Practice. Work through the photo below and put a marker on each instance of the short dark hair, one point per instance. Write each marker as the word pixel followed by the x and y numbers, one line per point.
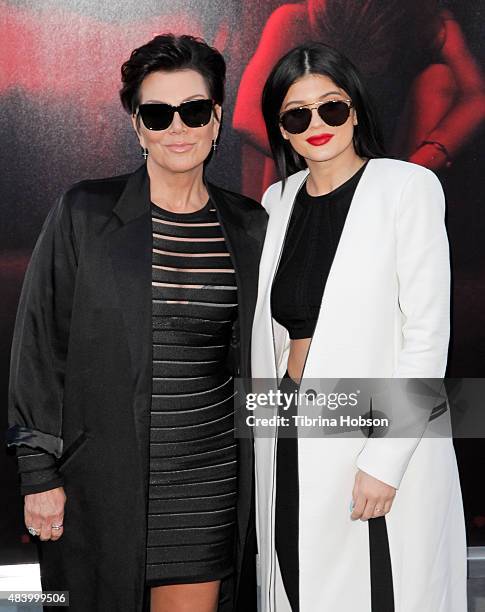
pixel 317 58
pixel 168 52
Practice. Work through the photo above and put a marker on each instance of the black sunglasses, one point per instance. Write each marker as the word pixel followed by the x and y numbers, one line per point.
pixel 334 113
pixel 195 113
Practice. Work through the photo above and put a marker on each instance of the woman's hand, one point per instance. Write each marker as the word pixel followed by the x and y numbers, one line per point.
pixel 42 510
pixel 371 497
pixel 429 156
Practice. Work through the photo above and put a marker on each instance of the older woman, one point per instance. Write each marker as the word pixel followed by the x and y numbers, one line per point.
pixel 354 283
pixel 135 313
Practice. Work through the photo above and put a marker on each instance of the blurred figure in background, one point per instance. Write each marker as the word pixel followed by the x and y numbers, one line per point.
pixel 428 88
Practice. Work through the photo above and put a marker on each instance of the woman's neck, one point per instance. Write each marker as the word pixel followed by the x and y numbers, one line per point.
pixel 181 192
pixel 327 175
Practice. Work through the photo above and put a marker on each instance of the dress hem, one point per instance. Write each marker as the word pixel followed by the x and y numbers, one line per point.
pixel 188 579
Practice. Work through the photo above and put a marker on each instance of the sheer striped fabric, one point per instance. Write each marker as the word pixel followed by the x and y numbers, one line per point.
pixel 193 465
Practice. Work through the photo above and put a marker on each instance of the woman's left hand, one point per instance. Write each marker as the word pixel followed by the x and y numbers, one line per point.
pixel 371 497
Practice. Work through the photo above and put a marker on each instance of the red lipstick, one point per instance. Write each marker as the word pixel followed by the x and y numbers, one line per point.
pixel 319 139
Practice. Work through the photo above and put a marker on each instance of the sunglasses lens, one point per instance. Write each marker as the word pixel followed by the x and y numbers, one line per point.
pixel 156 116
pixel 296 120
pixel 196 113
pixel 334 113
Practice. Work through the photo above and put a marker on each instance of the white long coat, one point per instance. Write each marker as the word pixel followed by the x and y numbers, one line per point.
pixel 384 313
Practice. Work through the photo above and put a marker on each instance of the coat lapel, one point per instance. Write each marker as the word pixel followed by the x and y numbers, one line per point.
pixel 283 216
pixel 130 249
pixel 279 220
pixel 244 238
pixel 245 254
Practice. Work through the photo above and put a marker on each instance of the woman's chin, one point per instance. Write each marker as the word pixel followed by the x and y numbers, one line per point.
pixel 179 163
pixel 322 154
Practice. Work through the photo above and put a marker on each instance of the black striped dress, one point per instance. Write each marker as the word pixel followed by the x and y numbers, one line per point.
pixel 193 468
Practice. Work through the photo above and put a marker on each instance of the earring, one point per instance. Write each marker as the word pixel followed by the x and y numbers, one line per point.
pixel 214 145
pixel 145 153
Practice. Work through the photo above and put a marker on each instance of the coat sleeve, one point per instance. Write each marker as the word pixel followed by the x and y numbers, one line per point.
pixel 423 274
pixel 39 351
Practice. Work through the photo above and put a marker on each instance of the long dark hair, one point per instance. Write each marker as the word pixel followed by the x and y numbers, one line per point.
pixel 378 33
pixel 317 58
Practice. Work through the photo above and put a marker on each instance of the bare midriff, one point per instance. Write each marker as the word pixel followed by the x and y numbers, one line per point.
pixel 298 354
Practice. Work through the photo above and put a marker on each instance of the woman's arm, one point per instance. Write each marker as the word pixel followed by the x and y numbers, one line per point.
pixel 467 110
pixel 423 274
pixel 39 350
pixel 286 27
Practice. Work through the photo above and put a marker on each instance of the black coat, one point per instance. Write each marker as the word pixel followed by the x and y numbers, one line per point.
pixel 80 384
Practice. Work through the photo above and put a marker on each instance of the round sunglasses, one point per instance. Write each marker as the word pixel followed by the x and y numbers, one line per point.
pixel 158 116
pixel 333 113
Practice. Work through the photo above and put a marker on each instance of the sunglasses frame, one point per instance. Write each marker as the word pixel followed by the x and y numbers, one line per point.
pixel 175 109
pixel 315 106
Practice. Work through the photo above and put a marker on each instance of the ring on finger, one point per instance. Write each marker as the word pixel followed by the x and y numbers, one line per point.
pixel 33 531
pixel 57 526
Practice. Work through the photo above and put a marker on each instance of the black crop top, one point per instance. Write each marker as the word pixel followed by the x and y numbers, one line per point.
pixel 311 242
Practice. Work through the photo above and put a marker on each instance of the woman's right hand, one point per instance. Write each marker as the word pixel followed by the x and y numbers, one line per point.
pixel 42 510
